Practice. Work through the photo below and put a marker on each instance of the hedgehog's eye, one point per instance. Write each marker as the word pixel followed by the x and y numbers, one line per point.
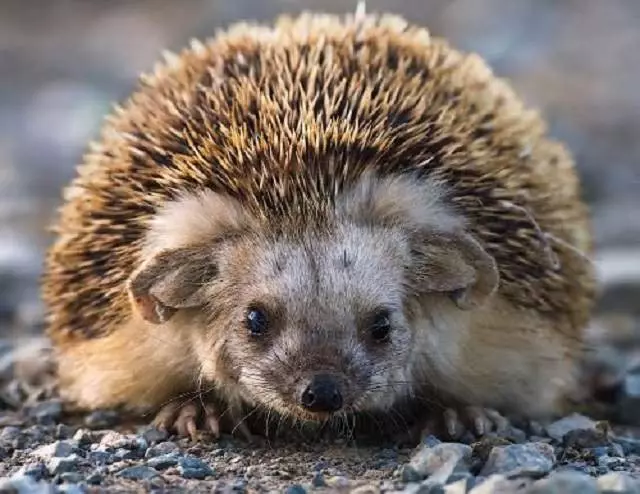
pixel 380 325
pixel 256 321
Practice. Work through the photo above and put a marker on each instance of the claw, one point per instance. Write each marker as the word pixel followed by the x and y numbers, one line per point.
pixel 184 420
pixel 212 420
pixel 451 422
pixel 477 420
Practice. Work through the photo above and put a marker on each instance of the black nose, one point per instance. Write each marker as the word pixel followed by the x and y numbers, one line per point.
pixel 322 395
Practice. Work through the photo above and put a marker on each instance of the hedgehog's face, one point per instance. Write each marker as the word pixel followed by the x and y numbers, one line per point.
pixel 315 321
pixel 316 325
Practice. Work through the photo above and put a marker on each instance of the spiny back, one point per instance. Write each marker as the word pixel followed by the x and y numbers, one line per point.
pixel 284 117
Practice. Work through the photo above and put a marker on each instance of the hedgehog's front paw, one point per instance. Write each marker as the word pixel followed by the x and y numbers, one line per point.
pixel 455 422
pixel 188 419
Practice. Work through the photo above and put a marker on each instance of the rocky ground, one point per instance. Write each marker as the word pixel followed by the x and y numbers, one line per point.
pixel 63 63
pixel 45 448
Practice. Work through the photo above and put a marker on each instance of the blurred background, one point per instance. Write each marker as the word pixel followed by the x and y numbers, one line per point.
pixel 63 63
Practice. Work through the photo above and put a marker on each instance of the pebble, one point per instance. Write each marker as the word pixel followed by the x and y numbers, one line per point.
pixel 71 477
pixel 437 462
pixel 497 483
pixel 71 489
pixel 163 462
pixel 517 459
pixel 36 470
pixel 365 489
pixel 59 465
pixel 46 412
pixel 139 472
pixel 23 484
pixel 161 449
pixel 128 454
pixel 100 457
pixel 94 478
pixel 83 437
pixel 565 482
pixel 153 435
pixel 295 489
pixel 618 482
pixel 338 482
pixel 191 467
pixel 58 449
pixel 318 480
pixel 558 429
pixel 629 445
pixel 101 419
pixel 114 440
pixel 63 431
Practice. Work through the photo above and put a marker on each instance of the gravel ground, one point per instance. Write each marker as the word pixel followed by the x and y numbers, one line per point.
pixel 46 448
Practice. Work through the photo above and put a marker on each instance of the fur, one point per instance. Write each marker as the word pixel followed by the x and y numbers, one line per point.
pixel 315 163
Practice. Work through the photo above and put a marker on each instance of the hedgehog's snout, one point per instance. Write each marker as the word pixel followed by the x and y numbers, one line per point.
pixel 321 394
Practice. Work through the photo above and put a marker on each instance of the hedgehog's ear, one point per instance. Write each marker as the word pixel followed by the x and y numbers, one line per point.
pixel 171 280
pixel 445 258
pixel 455 263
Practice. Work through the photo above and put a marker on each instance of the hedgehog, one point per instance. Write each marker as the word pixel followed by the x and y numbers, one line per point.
pixel 318 217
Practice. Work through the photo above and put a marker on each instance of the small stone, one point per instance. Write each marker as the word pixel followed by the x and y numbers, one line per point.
pixel 629 402
pixel 630 445
pixel 127 454
pixel 58 449
pixel 558 429
pixel 191 467
pixel 100 457
pixel 94 478
pixel 458 487
pixel 37 433
pixel 514 434
pixel 163 462
pixel 321 465
pixel 154 435
pixel 23 484
pixel 10 433
pixel 161 449
pixel 585 439
pixel 431 441
pixel 337 482
pixel 365 489
pixel 608 462
pixel 318 480
pixel 115 440
pixel 500 484
pixel 139 472
pixel 71 477
pixel 518 459
pixel 46 412
pixel 565 482
pixel 71 489
pixel 618 482
pixel 295 489
pixel 63 431
pixel 467 479
pixel 410 475
pixel 36 470
pixel 239 485
pixel 60 465
pixel 102 419
pixel 439 462
pixel 83 437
